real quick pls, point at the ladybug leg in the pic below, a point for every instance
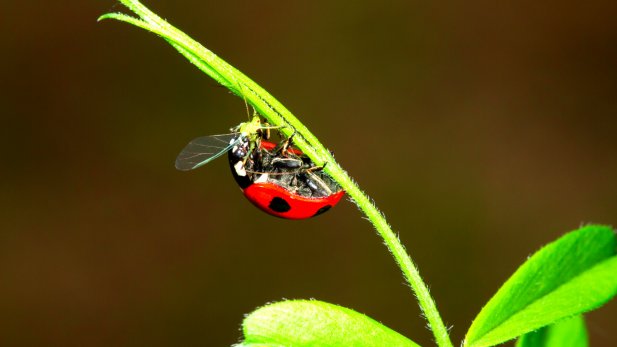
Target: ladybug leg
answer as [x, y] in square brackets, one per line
[257, 158]
[252, 154]
[313, 180]
[294, 184]
[283, 147]
[264, 133]
[320, 183]
[317, 186]
[317, 168]
[287, 163]
[310, 166]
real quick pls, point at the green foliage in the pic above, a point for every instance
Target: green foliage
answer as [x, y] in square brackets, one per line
[570, 276]
[278, 115]
[303, 323]
[570, 332]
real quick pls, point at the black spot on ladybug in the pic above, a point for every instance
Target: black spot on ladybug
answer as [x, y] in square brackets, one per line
[322, 210]
[279, 205]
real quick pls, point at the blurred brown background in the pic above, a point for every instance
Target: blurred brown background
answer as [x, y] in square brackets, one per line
[482, 130]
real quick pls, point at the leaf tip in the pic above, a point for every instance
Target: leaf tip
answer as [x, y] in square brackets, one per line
[103, 17]
[112, 15]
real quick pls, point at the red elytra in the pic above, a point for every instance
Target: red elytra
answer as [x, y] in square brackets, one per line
[279, 201]
[267, 145]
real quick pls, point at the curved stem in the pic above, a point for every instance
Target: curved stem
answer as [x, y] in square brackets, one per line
[407, 266]
[277, 114]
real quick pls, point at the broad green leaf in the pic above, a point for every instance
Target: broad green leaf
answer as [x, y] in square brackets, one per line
[570, 332]
[304, 323]
[570, 276]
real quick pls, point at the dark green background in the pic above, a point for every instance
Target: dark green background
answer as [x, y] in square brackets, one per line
[482, 130]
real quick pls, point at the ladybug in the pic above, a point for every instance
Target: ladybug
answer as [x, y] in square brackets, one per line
[278, 179]
[283, 183]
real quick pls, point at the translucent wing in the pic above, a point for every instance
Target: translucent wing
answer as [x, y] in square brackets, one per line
[203, 150]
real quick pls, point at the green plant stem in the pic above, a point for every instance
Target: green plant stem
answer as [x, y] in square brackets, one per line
[272, 110]
[409, 269]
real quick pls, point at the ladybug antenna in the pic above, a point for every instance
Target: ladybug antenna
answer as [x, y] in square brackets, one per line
[285, 144]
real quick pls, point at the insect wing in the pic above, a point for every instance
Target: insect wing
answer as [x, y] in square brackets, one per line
[203, 150]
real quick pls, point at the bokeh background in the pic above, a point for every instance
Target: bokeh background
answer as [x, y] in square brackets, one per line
[483, 130]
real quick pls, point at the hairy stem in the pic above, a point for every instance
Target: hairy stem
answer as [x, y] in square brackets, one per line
[278, 115]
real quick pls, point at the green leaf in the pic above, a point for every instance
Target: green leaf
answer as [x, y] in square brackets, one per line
[573, 275]
[304, 323]
[570, 332]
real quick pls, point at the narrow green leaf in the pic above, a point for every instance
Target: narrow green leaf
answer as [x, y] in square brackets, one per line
[304, 323]
[570, 276]
[570, 332]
